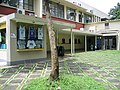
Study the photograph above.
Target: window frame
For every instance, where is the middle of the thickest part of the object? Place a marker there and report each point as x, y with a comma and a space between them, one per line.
68, 16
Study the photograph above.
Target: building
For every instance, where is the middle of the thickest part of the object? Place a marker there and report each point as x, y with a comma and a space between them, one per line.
110, 31
23, 31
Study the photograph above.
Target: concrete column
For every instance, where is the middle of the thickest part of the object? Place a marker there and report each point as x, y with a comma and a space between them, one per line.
65, 12
103, 43
95, 42
71, 42
92, 18
83, 18
38, 8
77, 16
45, 40
117, 42
85, 43
8, 42
41, 8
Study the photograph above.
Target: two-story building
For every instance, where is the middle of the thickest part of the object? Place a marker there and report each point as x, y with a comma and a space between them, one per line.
23, 31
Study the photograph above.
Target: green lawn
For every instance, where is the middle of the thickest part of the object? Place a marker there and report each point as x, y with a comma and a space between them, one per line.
65, 82
104, 65
109, 58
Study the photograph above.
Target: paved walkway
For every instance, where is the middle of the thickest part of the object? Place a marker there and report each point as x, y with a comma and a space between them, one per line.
14, 78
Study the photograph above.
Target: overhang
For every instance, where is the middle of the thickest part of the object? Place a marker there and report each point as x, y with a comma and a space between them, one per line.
40, 21
109, 32
70, 4
79, 32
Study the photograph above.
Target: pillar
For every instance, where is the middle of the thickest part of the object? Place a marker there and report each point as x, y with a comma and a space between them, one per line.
95, 42
103, 43
117, 42
65, 12
83, 18
85, 43
8, 41
73, 43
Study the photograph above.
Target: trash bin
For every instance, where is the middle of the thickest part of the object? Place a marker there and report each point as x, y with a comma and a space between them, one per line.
60, 50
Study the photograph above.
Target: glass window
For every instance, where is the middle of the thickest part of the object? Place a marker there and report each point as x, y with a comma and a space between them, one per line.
28, 5
71, 14
20, 4
57, 10
3, 39
30, 36
106, 25
43, 7
13, 3
80, 16
87, 18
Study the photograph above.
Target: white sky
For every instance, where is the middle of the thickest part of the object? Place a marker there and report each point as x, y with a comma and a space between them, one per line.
102, 5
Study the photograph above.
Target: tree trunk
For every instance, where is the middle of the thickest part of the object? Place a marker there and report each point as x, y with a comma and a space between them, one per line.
54, 57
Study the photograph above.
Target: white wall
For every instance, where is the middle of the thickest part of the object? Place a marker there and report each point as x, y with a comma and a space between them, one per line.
101, 25
3, 57
23, 55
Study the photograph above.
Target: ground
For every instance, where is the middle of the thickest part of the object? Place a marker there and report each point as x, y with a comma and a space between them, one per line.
103, 66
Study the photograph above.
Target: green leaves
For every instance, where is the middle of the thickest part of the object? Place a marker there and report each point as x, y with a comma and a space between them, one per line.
115, 12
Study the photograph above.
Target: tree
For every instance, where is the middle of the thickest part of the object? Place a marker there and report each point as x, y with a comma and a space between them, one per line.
54, 75
115, 12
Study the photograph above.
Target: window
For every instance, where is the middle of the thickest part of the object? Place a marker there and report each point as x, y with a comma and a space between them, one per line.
88, 18
43, 7
13, 3
106, 25
63, 40
29, 36
28, 5
57, 10
23, 4
80, 17
3, 39
71, 14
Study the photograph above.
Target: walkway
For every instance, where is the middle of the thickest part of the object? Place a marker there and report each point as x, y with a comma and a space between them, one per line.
15, 78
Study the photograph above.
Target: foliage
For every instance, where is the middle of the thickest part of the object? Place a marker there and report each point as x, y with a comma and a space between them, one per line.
115, 12
65, 82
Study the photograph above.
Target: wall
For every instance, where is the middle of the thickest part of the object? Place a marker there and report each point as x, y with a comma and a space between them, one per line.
27, 55
101, 25
67, 46
3, 57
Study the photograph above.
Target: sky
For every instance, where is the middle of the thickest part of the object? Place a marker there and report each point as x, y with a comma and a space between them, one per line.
102, 5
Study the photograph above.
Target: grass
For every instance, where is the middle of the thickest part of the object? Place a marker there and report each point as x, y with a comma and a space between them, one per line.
65, 82
106, 58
